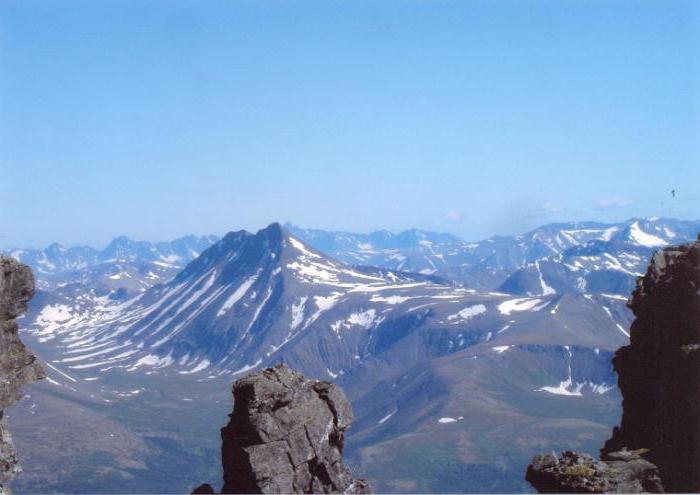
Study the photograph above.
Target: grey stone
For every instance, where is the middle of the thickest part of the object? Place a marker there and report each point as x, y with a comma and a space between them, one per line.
18, 365
286, 435
659, 371
573, 472
659, 377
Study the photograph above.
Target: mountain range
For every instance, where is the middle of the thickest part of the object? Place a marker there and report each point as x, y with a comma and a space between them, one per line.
455, 387
124, 263
574, 257
571, 257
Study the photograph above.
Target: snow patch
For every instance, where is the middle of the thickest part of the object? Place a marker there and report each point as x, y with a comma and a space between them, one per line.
447, 419
469, 312
364, 319
386, 418
298, 312
546, 289
240, 292
390, 299
299, 246
203, 364
522, 304
247, 367
645, 239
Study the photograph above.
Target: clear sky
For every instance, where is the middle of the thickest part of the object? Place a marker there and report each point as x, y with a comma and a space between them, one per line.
159, 118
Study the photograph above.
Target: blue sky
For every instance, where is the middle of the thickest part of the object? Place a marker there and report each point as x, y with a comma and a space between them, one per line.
160, 118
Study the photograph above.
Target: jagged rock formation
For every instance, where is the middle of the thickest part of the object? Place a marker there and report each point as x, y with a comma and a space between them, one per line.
659, 377
17, 365
659, 372
286, 435
618, 472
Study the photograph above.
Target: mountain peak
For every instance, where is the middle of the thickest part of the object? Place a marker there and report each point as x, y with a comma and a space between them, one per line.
56, 248
274, 232
121, 240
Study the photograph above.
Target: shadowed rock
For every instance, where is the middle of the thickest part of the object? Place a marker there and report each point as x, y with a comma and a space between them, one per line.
659, 372
286, 435
659, 378
17, 365
203, 489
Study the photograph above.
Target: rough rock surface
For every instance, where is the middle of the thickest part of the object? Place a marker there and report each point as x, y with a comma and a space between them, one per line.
659, 378
659, 372
286, 435
17, 365
618, 472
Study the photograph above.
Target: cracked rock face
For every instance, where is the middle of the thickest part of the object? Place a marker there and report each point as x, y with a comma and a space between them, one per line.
17, 365
659, 372
286, 435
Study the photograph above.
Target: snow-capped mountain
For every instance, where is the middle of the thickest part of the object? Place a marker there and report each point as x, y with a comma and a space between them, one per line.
574, 256
413, 250
123, 264
607, 260
55, 258
402, 345
177, 252
251, 298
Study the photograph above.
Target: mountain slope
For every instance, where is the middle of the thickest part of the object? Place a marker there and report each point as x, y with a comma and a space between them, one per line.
434, 370
250, 298
609, 261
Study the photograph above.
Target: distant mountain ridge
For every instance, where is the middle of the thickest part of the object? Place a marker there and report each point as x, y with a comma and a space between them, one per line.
401, 344
124, 264
241, 301
57, 258
564, 257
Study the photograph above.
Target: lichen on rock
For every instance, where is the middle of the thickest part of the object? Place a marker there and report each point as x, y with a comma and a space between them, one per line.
572, 472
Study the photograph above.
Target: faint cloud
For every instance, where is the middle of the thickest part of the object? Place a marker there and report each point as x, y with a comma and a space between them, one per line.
679, 209
548, 207
453, 216
610, 203
521, 214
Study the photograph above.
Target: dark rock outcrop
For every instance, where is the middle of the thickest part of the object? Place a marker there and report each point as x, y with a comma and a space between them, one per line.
659, 372
286, 435
659, 378
619, 472
17, 365
203, 489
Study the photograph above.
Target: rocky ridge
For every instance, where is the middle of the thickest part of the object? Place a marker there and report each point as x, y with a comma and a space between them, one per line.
659, 378
286, 435
18, 365
659, 372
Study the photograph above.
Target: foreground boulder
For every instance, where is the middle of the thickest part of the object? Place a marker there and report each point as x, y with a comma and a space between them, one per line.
17, 365
659, 378
286, 435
